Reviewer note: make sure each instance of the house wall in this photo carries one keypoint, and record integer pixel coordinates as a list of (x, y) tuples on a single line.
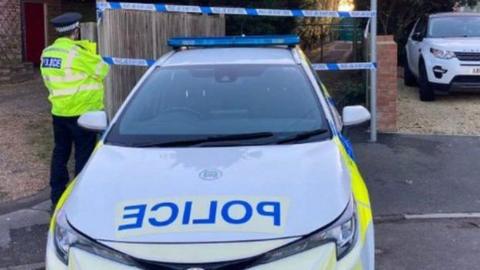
[(11, 28), (10, 33), (12, 47)]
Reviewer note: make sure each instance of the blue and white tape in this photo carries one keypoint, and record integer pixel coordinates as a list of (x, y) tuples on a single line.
[(345, 66), (320, 67), (128, 61), (101, 6)]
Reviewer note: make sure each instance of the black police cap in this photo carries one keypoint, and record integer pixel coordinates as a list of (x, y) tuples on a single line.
[(67, 21)]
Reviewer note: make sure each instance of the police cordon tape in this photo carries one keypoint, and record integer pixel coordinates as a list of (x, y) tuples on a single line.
[(128, 61), (102, 6), (345, 66), (329, 66)]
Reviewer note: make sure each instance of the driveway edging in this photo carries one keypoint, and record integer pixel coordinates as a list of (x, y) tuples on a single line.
[(27, 202)]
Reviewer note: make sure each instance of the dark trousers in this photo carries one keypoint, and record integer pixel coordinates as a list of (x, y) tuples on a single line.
[(66, 133)]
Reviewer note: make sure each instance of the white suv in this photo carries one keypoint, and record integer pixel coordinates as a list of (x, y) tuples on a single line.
[(443, 54)]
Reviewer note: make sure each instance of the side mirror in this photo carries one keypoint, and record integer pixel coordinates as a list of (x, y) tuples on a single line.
[(93, 121), (355, 115), (417, 36)]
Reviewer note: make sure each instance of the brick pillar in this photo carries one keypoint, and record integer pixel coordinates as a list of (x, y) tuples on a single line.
[(387, 90)]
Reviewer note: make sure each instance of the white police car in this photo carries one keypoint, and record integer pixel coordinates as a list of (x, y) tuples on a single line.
[(226, 155), (443, 54)]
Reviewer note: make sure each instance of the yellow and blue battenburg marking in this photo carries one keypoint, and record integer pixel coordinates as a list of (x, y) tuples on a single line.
[(359, 190), (61, 202)]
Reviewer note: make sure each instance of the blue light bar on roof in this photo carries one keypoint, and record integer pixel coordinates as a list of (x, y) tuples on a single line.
[(234, 41)]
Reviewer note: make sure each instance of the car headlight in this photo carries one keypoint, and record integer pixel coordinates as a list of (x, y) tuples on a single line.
[(343, 232), (66, 237), (442, 54)]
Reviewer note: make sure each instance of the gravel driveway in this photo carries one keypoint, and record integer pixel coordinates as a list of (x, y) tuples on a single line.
[(454, 114), (25, 139)]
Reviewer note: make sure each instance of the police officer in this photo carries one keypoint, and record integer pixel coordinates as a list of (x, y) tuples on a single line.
[(73, 73)]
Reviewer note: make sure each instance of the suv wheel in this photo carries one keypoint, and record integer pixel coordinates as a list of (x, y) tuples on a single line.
[(426, 90), (408, 77)]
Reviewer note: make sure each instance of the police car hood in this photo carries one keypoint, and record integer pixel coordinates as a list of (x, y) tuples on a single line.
[(185, 195)]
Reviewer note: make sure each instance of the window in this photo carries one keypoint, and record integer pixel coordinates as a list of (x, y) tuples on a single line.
[(191, 102), (455, 26), (421, 27)]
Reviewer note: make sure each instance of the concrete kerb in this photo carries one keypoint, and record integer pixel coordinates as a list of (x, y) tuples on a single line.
[(34, 266), (27, 202)]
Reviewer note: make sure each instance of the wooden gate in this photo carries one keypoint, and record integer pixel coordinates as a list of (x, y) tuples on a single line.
[(144, 35)]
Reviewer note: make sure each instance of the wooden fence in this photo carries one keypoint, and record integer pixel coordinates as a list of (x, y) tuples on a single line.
[(144, 34), (88, 31)]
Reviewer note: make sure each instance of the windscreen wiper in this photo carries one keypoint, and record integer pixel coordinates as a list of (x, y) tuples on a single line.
[(302, 136), (219, 138)]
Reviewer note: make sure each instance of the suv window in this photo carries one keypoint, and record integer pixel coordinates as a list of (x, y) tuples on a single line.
[(454, 26), (421, 26), (194, 102)]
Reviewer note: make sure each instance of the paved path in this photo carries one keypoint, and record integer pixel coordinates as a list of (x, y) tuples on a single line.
[(23, 236), (436, 177), (421, 188), (25, 139)]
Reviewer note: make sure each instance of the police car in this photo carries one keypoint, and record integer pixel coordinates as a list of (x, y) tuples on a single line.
[(227, 154), (443, 54)]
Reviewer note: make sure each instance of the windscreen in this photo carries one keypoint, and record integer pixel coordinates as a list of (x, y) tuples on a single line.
[(193, 102), (455, 26)]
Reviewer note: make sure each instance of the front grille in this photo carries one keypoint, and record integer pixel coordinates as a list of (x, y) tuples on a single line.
[(468, 56), (466, 79), (231, 265)]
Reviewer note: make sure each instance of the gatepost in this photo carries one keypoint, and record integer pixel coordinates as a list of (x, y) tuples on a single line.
[(387, 88)]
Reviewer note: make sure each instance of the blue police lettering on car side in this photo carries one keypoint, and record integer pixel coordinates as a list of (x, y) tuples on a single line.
[(233, 212), (51, 62), (138, 216), (173, 216)]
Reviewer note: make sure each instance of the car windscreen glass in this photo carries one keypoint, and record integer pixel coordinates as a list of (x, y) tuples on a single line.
[(455, 26), (187, 104)]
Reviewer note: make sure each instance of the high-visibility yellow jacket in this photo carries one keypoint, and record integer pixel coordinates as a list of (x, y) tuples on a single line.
[(73, 73)]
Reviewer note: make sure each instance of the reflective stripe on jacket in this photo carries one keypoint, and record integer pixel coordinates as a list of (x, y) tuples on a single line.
[(73, 73)]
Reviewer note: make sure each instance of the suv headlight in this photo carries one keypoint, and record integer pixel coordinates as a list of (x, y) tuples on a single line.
[(442, 54), (343, 232), (66, 237)]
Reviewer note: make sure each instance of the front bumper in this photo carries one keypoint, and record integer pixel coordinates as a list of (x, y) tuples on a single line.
[(323, 258), (453, 74)]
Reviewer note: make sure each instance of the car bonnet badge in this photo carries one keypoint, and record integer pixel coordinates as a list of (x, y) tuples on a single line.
[(210, 174)]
